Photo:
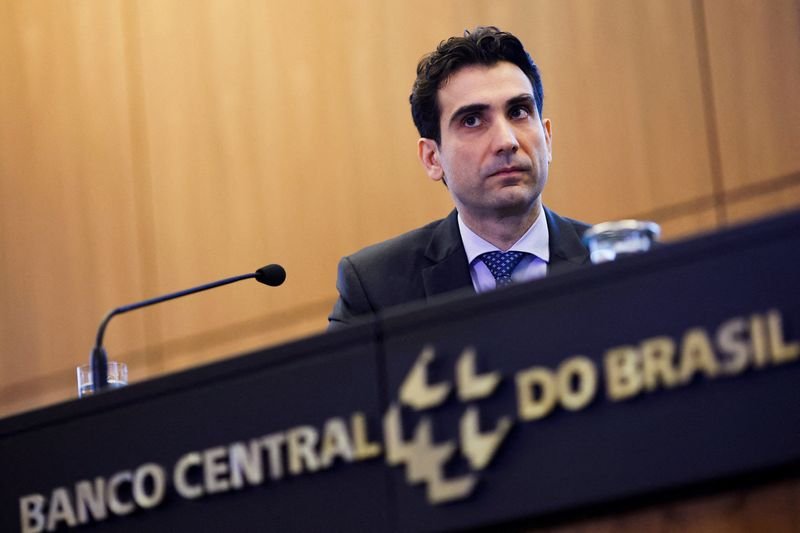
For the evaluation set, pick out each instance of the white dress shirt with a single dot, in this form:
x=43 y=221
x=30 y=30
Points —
x=535 y=242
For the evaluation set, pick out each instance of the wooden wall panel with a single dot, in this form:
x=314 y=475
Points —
x=754 y=52
x=687 y=225
x=67 y=218
x=765 y=203
x=268 y=142
x=625 y=98
x=149 y=146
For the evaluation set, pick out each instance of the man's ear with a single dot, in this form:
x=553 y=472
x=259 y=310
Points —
x=548 y=138
x=428 y=152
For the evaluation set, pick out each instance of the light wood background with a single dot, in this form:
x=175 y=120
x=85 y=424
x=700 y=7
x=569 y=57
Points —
x=147 y=146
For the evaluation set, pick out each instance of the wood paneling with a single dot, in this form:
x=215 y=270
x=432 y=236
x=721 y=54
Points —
x=271 y=140
x=149 y=146
x=754 y=52
x=68 y=225
x=625 y=97
x=689 y=224
x=765 y=203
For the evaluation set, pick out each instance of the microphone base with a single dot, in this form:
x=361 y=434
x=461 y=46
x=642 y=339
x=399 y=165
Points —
x=99 y=363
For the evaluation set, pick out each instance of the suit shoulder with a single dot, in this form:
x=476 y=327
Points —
x=579 y=226
x=397 y=249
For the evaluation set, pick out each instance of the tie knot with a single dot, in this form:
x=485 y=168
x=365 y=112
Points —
x=502 y=264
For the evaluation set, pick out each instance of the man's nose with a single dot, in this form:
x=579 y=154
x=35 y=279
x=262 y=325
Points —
x=505 y=137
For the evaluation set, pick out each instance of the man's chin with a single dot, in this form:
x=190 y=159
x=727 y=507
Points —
x=517 y=197
x=515 y=207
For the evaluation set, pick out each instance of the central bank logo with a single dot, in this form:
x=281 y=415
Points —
x=414 y=447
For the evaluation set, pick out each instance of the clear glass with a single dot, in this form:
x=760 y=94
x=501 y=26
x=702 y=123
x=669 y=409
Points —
x=611 y=240
x=117 y=377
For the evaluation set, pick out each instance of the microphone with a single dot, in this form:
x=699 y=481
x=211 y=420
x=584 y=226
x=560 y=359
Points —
x=272 y=275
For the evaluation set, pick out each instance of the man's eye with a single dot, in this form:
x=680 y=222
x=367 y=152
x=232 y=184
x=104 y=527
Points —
x=471 y=121
x=519 y=112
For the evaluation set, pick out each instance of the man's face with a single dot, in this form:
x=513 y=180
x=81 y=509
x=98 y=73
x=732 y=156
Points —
x=494 y=149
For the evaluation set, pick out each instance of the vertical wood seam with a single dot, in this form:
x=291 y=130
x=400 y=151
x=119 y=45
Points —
x=710 y=111
x=142 y=177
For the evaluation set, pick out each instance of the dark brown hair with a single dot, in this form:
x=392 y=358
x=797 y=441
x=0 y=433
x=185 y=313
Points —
x=486 y=45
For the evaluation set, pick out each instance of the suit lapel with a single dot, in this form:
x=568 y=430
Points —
x=449 y=270
x=567 y=251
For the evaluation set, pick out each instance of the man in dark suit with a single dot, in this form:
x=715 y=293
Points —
x=477 y=103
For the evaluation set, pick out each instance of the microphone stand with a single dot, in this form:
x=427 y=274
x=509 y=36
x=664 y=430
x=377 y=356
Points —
x=272 y=275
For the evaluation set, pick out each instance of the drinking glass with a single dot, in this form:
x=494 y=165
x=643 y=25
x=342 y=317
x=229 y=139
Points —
x=609 y=241
x=117 y=377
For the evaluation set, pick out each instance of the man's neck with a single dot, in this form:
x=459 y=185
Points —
x=502 y=230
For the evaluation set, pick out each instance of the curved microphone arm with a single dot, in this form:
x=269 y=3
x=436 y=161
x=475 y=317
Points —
x=152 y=301
x=99 y=359
x=272 y=275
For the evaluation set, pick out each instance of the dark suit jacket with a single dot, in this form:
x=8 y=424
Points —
x=428 y=261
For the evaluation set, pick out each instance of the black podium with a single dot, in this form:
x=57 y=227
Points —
x=654 y=376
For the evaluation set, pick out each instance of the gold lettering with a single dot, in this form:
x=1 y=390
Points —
x=179 y=476
x=246 y=463
x=90 y=500
x=782 y=352
x=115 y=504
x=215 y=470
x=623 y=373
x=60 y=510
x=363 y=448
x=758 y=338
x=335 y=443
x=149 y=485
x=300 y=443
x=397 y=449
x=658 y=354
x=31 y=513
x=697 y=355
x=731 y=342
x=272 y=444
x=529 y=407
x=580 y=372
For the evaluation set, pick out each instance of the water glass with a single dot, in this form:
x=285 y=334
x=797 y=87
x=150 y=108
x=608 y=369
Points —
x=117 y=377
x=609 y=241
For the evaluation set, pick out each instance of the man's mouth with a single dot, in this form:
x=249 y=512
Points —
x=508 y=170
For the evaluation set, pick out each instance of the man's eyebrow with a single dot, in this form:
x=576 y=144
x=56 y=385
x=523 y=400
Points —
x=524 y=98
x=467 y=110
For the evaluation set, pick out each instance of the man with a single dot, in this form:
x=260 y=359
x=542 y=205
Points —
x=477 y=103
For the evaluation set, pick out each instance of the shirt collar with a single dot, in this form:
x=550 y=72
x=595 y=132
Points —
x=536 y=240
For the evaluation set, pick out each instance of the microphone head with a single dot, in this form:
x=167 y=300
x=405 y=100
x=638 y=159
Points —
x=272 y=275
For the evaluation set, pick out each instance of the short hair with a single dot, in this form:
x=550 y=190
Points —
x=485 y=45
